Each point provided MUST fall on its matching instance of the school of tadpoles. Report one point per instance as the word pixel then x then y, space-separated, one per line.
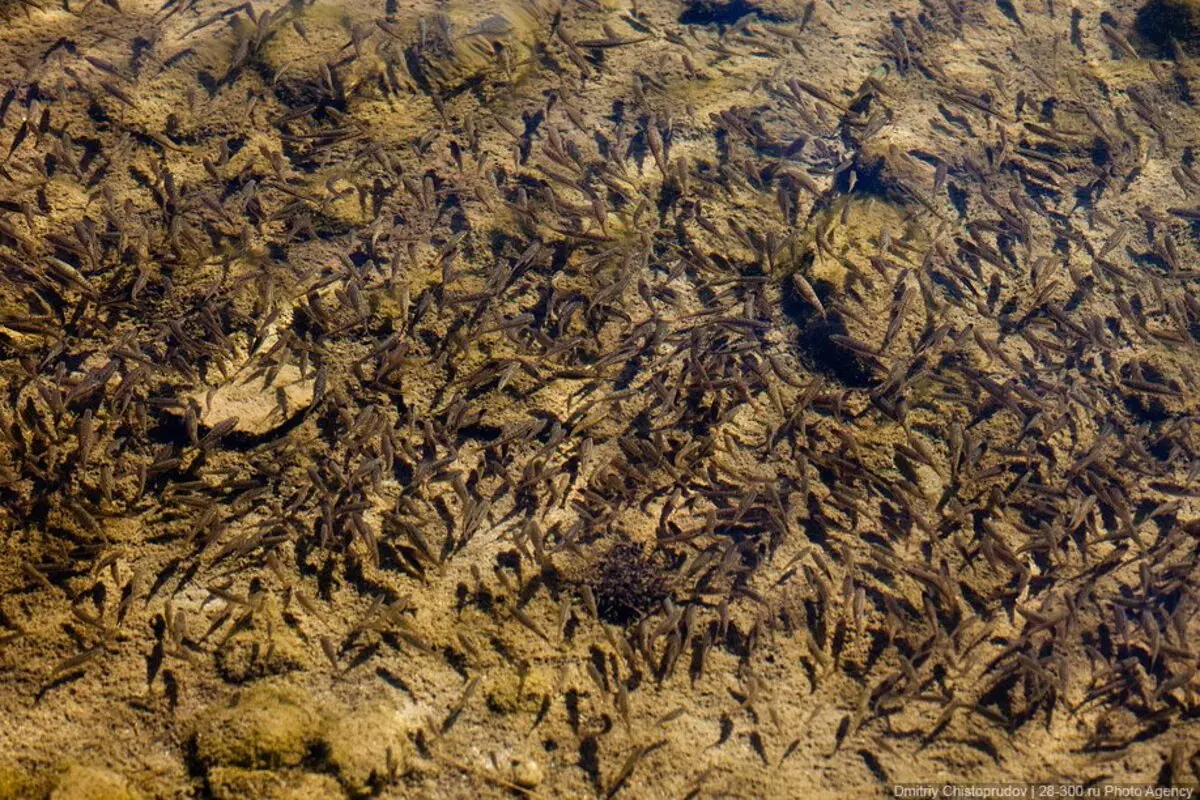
pixel 528 337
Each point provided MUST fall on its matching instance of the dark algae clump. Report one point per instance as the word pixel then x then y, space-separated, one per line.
pixel 628 584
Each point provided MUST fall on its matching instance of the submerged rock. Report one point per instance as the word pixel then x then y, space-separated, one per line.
pixel 527 773
pixel 265 726
pixel 366 749
pixel 233 783
pixel 259 407
pixel 17 784
pixel 93 783
pixel 459 49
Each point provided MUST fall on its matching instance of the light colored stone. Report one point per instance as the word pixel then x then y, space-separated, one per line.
pixel 527 773
pixel 254 403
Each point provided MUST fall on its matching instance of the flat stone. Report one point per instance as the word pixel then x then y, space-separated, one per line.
pixel 254 403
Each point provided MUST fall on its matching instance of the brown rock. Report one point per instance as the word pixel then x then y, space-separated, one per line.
pixel 233 783
pixel 366 748
pixel 265 726
pixel 92 783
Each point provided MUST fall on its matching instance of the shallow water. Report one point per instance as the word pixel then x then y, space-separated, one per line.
pixel 759 399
